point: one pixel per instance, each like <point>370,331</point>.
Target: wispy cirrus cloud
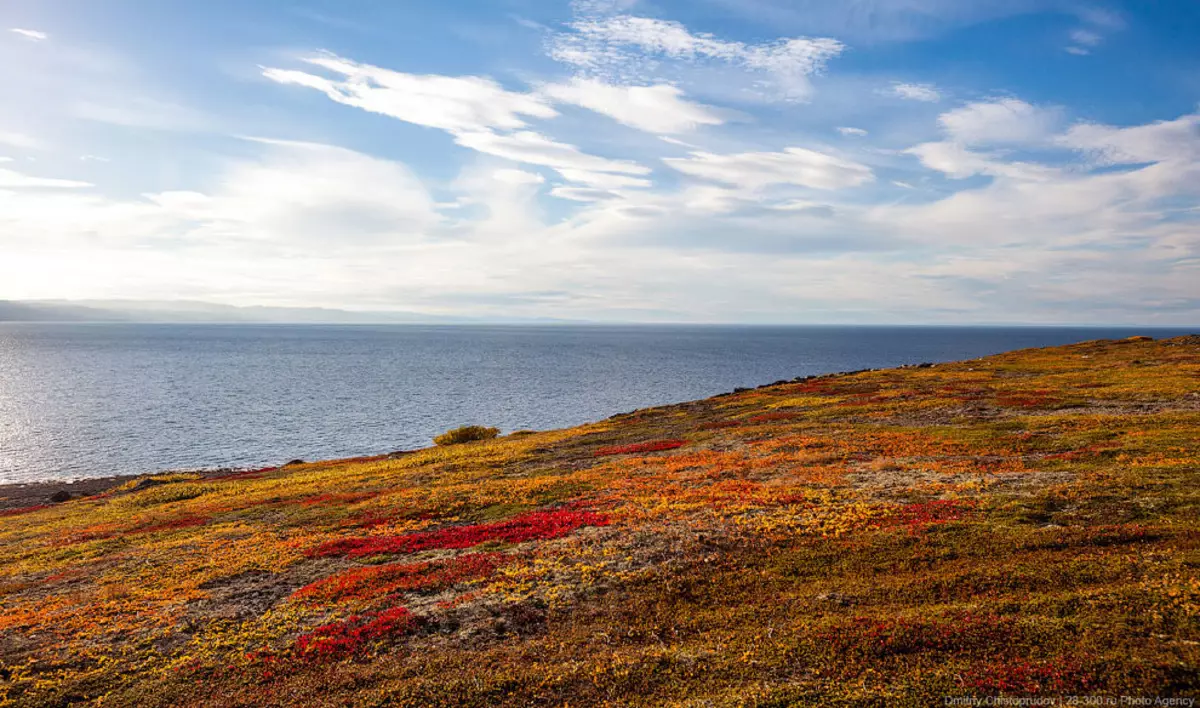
<point>485,117</point>
<point>1096,24</point>
<point>451,103</point>
<point>793,165</point>
<point>34,35</point>
<point>533,148</point>
<point>623,49</point>
<point>914,92</point>
<point>659,108</point>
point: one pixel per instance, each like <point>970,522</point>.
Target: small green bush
<point>465,434</point>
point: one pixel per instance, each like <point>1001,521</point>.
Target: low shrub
<point>466,434</point>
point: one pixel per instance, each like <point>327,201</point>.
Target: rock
<point>60,496</point>
<point>836,598</point>
<point>293,463</point>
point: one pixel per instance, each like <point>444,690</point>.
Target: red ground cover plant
<point>24,510</point>
<point>1027,677</point>
<point>963,632</point>
<point>353,634</point>
<point>1032,399</point>
<point>652,446</point>
<point>537,525</point>
<point>818,387</point>
<point>381,580</point>
<point>919,515</point>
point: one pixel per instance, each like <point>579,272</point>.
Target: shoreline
<point>19,495</point>
<point>23,495</point>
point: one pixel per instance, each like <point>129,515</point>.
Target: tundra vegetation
<point>1025,524</point>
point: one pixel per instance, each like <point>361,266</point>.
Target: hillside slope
<point>1021,524</point>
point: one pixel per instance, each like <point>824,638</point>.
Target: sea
<point>94,400</point>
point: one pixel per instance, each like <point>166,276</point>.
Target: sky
<point>752,161</point>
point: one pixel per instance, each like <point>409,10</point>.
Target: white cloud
<point>536,149</point>
<point>31,34</point>
<point>454,104</point>
<point>12,178</point>
<point>846,130</point>
<point>915,92</point>
<point>1085,37</point>
<point>956,161</point>
<point>1096,22</point>
<point>603,180</point>
<point>676,141</point>
<point>1007,120</point>
<point>794,165</point>
<point>1164,141</point>
<point>655,109</point>
<point>478,112</point>
<point>581,194</point>
<point>628,49</point>
<point>517,177</point>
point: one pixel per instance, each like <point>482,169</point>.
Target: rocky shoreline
<point>19,495</point>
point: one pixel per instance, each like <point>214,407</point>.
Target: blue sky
<point>802,161</point>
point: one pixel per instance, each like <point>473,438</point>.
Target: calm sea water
<point>90,400</point>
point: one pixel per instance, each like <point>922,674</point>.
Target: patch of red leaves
<point>24,510</point>
<point>537,525</point>
<point>355,633</point>
<point>1031,399</point>
<point>1026,677</point>
<point>817,387</point>
<point>961,633</point>
<point>652,446</point>
<point>928,513</point>
<point>378,581</point>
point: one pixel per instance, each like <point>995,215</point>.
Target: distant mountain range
<point>187,311</point>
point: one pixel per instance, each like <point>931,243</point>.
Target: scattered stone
<point>836,598</point>
<point>60,496</point>
<point>293,463</point>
